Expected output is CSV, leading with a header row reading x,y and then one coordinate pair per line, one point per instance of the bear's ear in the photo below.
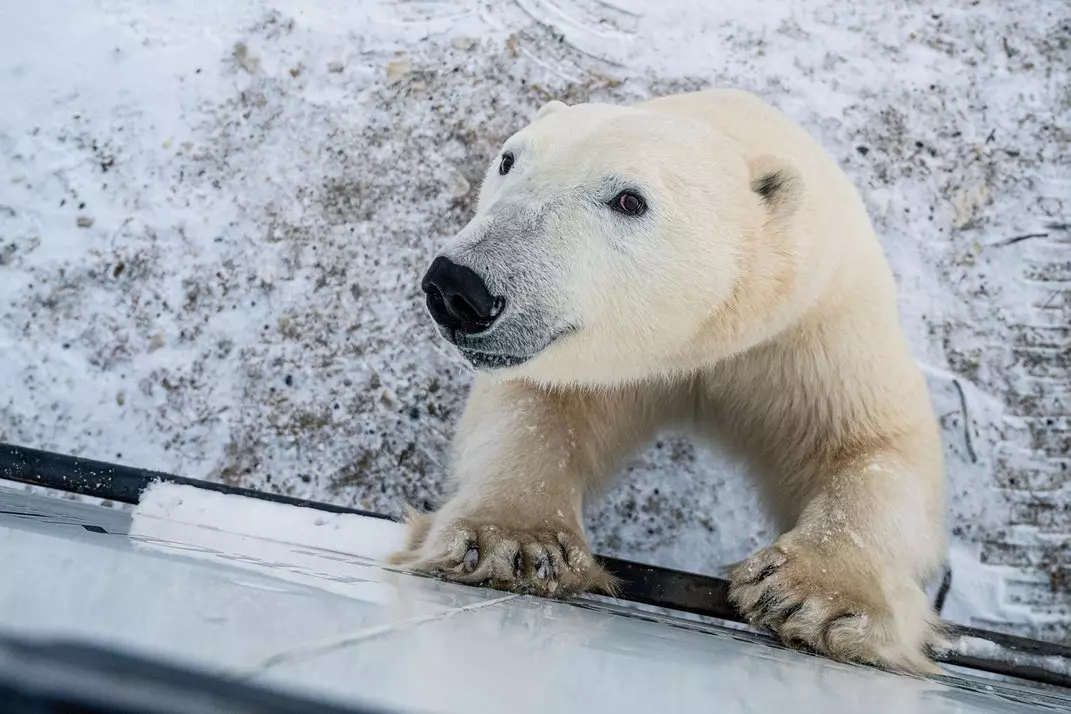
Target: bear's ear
x,y
778,185
549,108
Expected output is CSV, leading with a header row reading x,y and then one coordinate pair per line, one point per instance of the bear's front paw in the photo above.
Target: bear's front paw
x,y
837,607
547,562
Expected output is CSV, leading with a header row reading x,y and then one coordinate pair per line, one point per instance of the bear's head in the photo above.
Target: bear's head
x,y
612,244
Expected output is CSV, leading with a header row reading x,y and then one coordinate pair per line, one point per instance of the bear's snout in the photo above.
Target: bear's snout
x,y
458,298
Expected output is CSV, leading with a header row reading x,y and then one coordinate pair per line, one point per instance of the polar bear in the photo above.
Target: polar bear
x,y
694,260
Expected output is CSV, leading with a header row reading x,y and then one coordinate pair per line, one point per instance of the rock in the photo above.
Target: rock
x,y
388,399
84,222
396,69
966,202
250,63
266,275
456,183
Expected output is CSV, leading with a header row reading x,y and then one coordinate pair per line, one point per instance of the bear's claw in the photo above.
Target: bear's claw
x,y
547,562
809,600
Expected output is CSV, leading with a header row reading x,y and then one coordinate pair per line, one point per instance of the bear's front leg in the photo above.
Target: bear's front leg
x,y
847,580
524,458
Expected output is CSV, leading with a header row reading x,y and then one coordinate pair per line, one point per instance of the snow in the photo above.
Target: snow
x,y
984,649
362,536
213,220
985,594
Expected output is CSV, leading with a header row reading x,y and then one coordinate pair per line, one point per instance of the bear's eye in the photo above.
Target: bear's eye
x,y
506,164
629,203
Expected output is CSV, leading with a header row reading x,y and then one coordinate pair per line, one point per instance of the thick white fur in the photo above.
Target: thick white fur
x,y
768,323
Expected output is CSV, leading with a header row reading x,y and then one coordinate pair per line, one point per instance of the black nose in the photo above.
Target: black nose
x,y
458,298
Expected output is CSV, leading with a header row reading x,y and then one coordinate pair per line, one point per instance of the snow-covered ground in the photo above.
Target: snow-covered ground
x,y
214,217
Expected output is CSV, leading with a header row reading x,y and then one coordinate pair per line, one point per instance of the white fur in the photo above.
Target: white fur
x,y
768,322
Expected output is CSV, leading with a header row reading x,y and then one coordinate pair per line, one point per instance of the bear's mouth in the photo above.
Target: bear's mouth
x,y
494,359
486,360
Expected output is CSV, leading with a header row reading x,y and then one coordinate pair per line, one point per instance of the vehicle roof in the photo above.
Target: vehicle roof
x,y
188,580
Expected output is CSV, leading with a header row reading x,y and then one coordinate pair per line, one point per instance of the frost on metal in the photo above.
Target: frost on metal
x,y
211,242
